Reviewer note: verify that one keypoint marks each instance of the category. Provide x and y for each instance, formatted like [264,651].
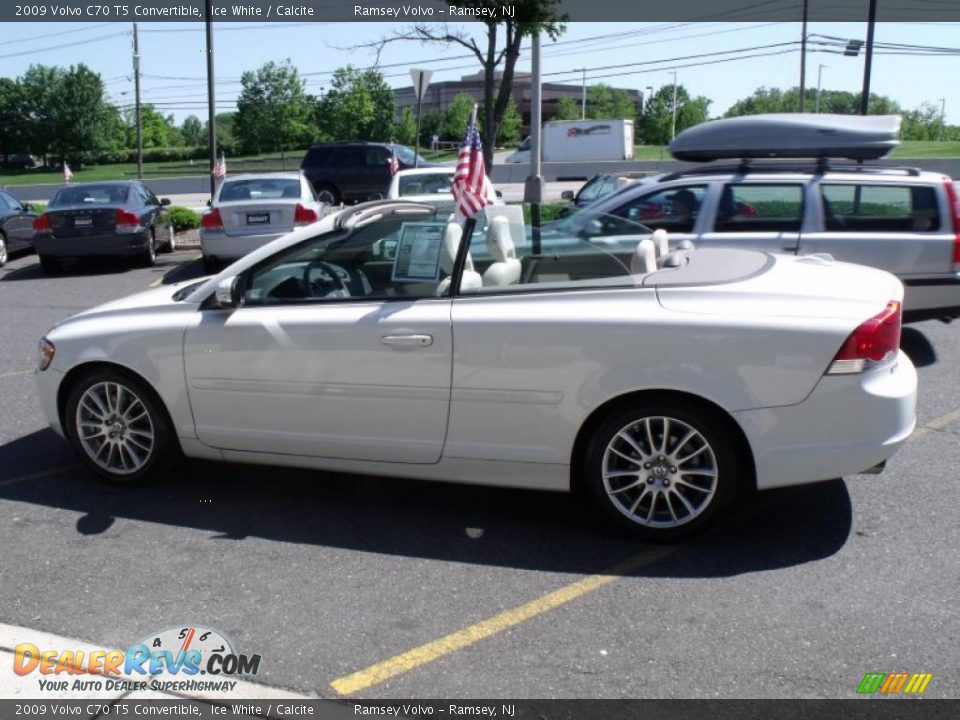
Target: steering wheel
[321,287]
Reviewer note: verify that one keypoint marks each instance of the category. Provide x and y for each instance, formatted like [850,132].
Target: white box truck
[574,140]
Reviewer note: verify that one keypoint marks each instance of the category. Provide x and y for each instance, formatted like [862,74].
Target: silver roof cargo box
[789,135]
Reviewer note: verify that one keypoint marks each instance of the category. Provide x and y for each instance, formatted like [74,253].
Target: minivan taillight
[304,215]
[871,343]
[955,216]
[212,220]
[127,222]
[42,224]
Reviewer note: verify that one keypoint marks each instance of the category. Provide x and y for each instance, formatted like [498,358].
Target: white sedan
[248,211]
[662,383]
[430,184]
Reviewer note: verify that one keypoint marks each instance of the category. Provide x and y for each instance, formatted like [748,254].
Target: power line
[65,45]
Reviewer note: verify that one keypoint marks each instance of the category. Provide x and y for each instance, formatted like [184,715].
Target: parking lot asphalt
[368,587]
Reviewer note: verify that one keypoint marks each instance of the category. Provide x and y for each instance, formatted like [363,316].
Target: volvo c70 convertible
[663,382]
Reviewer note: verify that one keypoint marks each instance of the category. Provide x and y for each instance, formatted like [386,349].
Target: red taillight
[304,215]
[870,343]
[955,215]
[212,220]
[42,223]
[127,221]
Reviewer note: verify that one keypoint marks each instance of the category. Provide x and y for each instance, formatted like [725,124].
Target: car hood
[158,298]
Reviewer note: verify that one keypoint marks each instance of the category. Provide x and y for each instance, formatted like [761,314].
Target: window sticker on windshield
[418,253]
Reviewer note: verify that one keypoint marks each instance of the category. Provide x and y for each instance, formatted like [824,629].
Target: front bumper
[48,385]
[847,425]
[92,245]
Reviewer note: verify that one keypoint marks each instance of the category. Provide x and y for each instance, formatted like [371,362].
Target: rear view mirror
[164,201]
[228,292]
[566,195]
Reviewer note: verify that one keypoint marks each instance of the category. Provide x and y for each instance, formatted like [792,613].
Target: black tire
[50,265]
[163,449]
[170,245]
[660,496]
[3,249]
[332,189]
[210,265]
[148,257]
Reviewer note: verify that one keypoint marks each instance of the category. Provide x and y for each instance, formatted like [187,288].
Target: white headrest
[644,258]
[499,241]
[660,244]
[451,244]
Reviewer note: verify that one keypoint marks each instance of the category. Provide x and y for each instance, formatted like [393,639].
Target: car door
[17,222]
[377,173]
[348,170]
[334,353]
[765,216]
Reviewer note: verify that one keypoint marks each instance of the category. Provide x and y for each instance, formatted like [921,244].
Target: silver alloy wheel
[3,251]
[114,428]
[660,472]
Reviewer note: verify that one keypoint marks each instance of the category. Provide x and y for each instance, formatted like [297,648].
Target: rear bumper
[931,298]
[847,425]
[221,245]
[88,245]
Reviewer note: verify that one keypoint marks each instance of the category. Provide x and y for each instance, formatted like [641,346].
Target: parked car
[249,211]
[352,171]
[580,368]
[19,161]
[101,219]
[16,226]
[899,219]
[599,186]
[430,184]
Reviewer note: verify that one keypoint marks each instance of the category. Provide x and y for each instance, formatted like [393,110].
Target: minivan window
[760,208]
[674,210]
[879,208]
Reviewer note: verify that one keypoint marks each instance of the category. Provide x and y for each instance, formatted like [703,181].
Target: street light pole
[211,100]
[583,94]
[673,124]
[868,64]
[943,115]
[137,111]
[819,81]
[803,57]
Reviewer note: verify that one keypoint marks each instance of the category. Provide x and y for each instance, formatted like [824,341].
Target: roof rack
[819,165]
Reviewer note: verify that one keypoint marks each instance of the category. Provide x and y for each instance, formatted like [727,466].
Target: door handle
[407,340]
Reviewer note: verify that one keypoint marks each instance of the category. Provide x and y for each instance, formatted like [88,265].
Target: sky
[174,70]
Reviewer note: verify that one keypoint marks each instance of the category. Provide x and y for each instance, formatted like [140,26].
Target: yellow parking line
[937,423]
[460,639]
[157,282]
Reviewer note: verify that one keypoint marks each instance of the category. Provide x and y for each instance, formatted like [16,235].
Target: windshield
[591,224]
[406,155]
[260,189]
[430,184]
[91,195]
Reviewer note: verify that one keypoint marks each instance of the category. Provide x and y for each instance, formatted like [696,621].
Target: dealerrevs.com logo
[186,659]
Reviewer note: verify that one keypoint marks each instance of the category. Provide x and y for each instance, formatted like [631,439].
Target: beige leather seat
[644,258]
[505,268]
[661,245]
[448,256]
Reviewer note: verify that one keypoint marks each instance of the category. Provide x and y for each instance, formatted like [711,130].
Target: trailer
[577,140]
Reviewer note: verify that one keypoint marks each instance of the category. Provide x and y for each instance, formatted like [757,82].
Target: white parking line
[15,373]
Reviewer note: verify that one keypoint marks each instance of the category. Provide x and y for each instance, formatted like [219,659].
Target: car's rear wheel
[3,249]
[149,256]
[117,426]
[328,194]
[662,470]
[50,265]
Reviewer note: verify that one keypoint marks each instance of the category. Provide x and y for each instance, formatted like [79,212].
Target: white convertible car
[662,383]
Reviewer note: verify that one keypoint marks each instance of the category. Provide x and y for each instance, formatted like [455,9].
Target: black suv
[352,171]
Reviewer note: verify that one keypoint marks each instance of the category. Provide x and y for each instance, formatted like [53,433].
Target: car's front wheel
[117,426]
[3,249]
[662,470]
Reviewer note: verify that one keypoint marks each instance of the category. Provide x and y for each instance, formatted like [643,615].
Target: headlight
[46,353]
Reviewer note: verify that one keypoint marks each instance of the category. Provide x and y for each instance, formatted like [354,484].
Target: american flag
[220,167]
[393,162]
[470,185]
[67,173]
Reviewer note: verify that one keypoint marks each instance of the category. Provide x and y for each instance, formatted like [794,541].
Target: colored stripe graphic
[893,683]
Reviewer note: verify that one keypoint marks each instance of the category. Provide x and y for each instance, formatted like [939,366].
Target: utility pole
[583,94]
[673,124]
[868,64]
[803,57]
[533,188]
[211,99]
[943,115]
[136,91]
[819,82]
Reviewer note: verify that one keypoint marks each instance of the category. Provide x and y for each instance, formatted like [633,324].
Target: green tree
[657,118]
[923,123]
[81,117]
[842,102]
[358,106]
[14,136]
[405,131]
[456,117]
[157,130]
[226,137]
[497,51]
[510,125]
[192,131]
[430,122]
[566,109]
[41,86]
[273,110]
[607,103]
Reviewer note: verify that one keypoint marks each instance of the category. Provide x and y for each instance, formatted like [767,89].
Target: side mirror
[209,203]
[164,201]
[566,195]
[228,292]
[27,207]
[498,194]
